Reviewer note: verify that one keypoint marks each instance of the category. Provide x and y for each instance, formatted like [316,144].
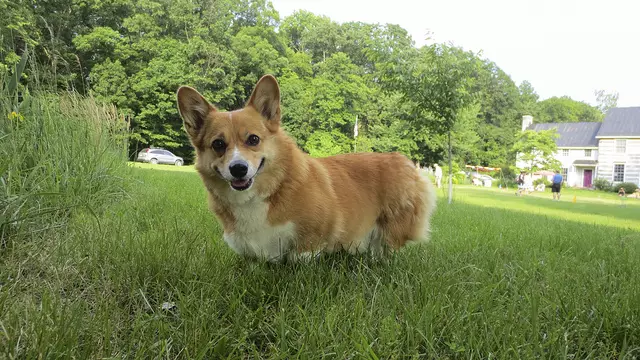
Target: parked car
[159,156]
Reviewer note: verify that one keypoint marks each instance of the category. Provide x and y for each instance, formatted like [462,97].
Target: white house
[587,150]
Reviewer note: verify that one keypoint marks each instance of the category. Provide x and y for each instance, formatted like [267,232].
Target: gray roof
[580,134]
[624,121]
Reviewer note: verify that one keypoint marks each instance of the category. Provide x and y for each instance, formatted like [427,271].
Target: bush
[59,153]
[602,184]
[542,180]
[457,176]
[629,188]
[508,183]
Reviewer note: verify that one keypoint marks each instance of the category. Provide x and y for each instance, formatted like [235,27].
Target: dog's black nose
[238,169]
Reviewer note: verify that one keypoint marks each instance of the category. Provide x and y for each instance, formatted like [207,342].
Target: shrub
[509,183]
[629,188]
[458,176]
[542,180]
[602,184]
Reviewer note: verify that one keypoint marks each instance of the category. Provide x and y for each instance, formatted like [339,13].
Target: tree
[537,149]
[565,109]
[436,83]
[317,36]
[606,101]
[528,98]
[135,54]
[500,102]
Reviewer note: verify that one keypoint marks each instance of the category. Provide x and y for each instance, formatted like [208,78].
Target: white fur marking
[235,155]
[253,236]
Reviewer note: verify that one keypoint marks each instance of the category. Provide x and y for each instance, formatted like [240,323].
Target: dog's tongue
[240,183]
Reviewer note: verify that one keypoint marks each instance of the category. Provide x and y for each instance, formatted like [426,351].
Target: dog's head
[234,146]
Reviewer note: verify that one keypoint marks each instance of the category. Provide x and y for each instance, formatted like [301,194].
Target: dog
[275,202]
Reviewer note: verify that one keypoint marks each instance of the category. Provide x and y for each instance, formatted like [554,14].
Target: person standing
[520,183]
[438,175]
[556,185]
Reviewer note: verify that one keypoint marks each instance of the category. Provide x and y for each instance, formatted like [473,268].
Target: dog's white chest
[253,236]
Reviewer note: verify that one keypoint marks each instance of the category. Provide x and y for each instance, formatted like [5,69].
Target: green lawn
[168,167]
[503,277]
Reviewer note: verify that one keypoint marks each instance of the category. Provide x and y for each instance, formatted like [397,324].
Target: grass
[167,167]
[569,193]
[59,153]
[604,210]
[503,277]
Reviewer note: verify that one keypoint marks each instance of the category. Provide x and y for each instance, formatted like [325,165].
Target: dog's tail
[411,204]
[430,201]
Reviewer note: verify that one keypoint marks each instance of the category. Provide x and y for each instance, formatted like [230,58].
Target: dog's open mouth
[241,185]
[244,184]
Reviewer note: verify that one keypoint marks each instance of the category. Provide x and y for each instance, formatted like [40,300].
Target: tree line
[135,54]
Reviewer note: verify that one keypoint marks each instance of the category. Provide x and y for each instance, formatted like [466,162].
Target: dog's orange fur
[357,202]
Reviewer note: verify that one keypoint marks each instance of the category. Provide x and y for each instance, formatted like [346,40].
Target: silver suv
[159,156]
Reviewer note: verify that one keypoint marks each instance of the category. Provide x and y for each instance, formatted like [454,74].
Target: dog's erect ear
[193,109]
[265,98]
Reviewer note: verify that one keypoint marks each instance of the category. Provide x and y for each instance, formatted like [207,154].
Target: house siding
[608,157]
[575,174]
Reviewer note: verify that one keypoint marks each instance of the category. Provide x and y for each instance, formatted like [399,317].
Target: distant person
[438,175]
[623,195]
[520,182]
[556,185]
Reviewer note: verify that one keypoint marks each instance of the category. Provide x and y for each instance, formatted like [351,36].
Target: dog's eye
[253,140]
[218,145]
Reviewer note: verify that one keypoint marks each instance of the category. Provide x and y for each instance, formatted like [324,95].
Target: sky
[562,47]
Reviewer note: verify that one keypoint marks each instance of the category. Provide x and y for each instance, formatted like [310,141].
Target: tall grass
[58,153]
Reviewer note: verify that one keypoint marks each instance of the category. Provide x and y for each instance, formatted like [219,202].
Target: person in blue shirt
[557,184]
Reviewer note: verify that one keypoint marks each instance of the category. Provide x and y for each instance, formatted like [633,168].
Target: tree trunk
[450,170]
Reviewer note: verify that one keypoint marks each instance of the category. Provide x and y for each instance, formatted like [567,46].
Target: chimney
[527,120]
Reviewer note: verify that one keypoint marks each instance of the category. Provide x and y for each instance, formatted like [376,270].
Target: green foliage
[458,176]
[629,188]
[528,98]
[60,154]
[508,183]
[323,143]
[602,184]
[135,54]
[564,109]
[14,78]
[542,180]
[435,81]
[537,149]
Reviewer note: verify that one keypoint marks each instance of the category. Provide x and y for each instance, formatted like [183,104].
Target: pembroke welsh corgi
[276,202]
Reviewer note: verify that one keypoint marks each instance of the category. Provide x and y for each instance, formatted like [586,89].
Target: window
[565,171]
[621,146]
[565,152]
[618,172]
[587,152]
